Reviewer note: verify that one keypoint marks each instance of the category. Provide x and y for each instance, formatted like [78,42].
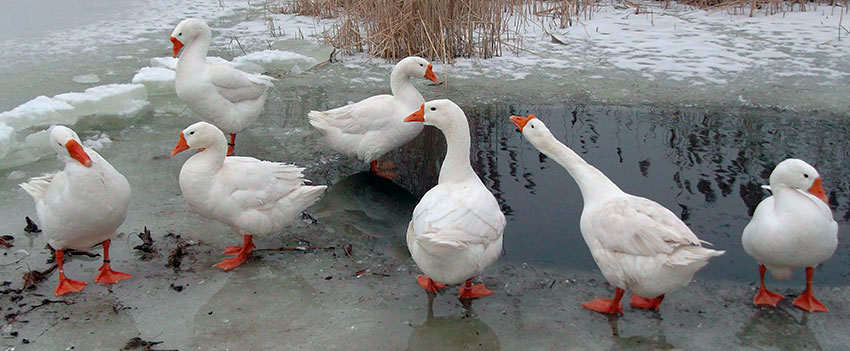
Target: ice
[41,110]
[157,80]
[6,135]
[274,61]
[98,142]
[15,175]
[111,99]
[86,78]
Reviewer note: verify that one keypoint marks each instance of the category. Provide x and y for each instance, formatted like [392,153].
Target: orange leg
[607,306]
[469,291]
[766,297]
[383,169]
[232,144]
[429,285]
[645,303]
[107,275]
[242,255]
[66,285]
[806,301]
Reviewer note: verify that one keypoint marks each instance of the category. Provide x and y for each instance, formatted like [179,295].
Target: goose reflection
[453,333]
[639,342]
[373,205]
[778,329]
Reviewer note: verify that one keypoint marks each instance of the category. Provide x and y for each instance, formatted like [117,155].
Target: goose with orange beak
[791,229]
[252,197]
[456,229]
[80,206]
[638,244]
[370,128]
[217,93]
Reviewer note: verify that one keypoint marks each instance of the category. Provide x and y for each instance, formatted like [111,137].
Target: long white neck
[456,167]
[594,185]
[209,161]
[402,88]
[194,53]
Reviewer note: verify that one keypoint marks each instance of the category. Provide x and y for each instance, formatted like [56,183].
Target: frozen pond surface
[706,164]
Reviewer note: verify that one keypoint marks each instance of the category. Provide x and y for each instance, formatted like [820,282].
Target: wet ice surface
[330,300]
[705,164]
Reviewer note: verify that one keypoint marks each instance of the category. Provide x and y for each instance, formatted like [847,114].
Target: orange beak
[76,151]
[418,116]
[521,121]
[817,190]
[181,145]
[177,45]
[429,74]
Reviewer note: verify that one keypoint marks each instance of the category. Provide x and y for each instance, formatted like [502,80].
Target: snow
[157,80]
[119,100]
[98,141]
[111,99]
[276,60]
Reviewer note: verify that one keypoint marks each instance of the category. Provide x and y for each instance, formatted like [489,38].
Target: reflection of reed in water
[453,333]
[777,329]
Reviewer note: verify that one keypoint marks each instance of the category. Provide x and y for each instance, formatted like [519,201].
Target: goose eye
[421,65]
[805,175]
[192,133]
[433,109]
[180,34]
[532,126]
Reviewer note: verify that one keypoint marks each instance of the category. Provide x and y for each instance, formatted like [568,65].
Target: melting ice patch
[121,100]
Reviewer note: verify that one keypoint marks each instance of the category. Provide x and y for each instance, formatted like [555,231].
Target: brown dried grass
[446,29]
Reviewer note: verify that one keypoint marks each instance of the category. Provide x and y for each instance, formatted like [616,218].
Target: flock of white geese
[455,231]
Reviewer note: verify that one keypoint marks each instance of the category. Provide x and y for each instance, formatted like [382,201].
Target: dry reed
[446,29]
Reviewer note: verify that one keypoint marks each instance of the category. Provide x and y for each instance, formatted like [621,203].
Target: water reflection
[453,333]
[778,329]
[706,167]
[371,205]
[639,342]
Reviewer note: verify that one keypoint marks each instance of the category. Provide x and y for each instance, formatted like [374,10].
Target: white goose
[81,206]
[251,196]
[370,128]
[456,229]
[792,229]
[218,93]
[638,244]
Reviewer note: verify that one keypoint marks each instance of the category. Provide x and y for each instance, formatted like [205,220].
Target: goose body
[637,244]
[251,196]
[370,128]
[219,94]
[456,229]
[80,206]
[791,229]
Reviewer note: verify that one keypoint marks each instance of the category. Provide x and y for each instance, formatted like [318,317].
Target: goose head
[67,144]
[443,114]
[187,31]
[201,135]
[797,174]
[417,67]
[532,129]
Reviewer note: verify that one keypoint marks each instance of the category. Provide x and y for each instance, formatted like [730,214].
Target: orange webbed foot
[807,302]
[68,286]
[606,306]
[108,276]
[232,249]
[429,285]
[231,263]
[645,303]
[767,298]
[384,169]
[473,291]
